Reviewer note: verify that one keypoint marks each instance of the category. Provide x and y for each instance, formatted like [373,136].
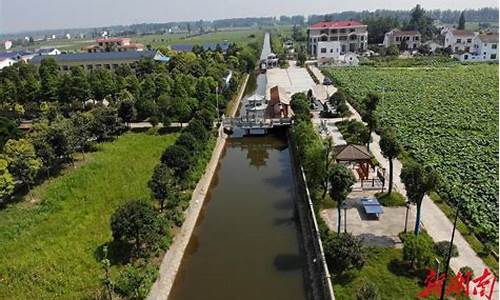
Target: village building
[459,40]
[351,36]
[48,51]
[22,55]
[6,62]
[411,39]
[279,104]
[113,45]
[106,60]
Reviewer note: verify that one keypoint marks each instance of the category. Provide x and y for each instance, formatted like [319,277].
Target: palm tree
[341,181]
[418,181]
[391,148]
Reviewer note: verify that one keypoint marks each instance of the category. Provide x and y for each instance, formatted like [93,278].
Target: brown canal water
[246,244]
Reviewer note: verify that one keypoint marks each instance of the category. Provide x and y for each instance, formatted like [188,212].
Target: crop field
[51,250]
[446,117]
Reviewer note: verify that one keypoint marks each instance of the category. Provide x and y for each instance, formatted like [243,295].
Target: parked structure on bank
[106,60]
[411,39]
[350,35]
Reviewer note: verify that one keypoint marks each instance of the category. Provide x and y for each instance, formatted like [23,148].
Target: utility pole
[447,266]
[407,204]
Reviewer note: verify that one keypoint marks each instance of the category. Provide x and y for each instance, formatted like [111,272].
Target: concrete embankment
[173,257]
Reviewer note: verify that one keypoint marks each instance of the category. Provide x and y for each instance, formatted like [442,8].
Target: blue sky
[52,14]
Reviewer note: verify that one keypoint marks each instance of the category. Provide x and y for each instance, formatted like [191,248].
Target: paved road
[434,220]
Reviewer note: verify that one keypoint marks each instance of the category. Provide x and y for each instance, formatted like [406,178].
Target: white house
[486,46]
[412,38]
[7,44]
[459,40]
[329,50]
[48,51]
[351,34]
[6,62]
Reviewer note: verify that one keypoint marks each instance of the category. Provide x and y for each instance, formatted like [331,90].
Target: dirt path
[173,257]
[433,219]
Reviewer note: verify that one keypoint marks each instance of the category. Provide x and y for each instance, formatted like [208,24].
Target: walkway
[433,219]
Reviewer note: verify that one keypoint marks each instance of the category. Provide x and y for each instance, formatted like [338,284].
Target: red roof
[115,40]
[337,24]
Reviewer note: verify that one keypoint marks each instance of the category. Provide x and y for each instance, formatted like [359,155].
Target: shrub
[367,291]
[443,247]
[392,199]
[417,251]
[344,252]
[135,282]
[465,270]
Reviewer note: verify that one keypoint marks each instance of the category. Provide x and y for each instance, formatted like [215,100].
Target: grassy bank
[51,249]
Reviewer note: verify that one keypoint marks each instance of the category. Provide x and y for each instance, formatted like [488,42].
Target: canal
[246,244]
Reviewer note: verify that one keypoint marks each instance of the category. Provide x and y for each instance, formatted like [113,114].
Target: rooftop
[352,153]
[104,56]
[398,32]
[207,46]
[489,38]
[337,24]
[14,54]
[458,32]
[113,40]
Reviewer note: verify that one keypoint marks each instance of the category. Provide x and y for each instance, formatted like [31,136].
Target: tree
[126,110]
[371,124]
[198,130]
[300,106]
[163,185]
[419,20]
[105,124]
[392,50]
[81,130]
[178,159]
[418,252]
[23,162]
[49,79]
[344,252]
[341,181]
[461,21]
[8,130]
[137,223]
[378,26]
[102,83]
[391,148]
[6,180]
[418,181]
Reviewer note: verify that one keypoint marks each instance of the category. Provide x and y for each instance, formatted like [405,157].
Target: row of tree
[170,91]
[143,228]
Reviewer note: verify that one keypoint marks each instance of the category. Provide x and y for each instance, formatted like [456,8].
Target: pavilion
[357,154]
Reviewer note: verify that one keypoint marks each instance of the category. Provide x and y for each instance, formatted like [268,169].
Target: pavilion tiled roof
[352,153]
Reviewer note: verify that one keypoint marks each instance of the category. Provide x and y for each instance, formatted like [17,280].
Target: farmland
[50,249]
[446,117]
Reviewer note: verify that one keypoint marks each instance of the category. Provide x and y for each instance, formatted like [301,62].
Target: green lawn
[49,249]
[383,267]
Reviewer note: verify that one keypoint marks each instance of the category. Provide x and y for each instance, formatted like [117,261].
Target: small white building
[328,50]
[459,40]
[412,38]
[7,44]
[48,51]
[486,46]
[6,62]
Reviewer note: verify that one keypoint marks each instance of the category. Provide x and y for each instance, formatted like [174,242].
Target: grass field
[241,36]
[385,270]
[446,117]
[49,250]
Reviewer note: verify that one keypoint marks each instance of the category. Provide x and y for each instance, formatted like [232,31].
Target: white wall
[328,50]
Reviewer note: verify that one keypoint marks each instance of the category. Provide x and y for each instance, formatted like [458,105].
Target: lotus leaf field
[446,117]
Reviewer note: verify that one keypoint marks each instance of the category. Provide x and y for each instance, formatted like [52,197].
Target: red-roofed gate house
[352,36]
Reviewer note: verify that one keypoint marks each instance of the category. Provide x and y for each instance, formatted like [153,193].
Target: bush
[135,282]
[393,199]
[443,247]
[417,251]
[465,270]
[367,291]
[344,252]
